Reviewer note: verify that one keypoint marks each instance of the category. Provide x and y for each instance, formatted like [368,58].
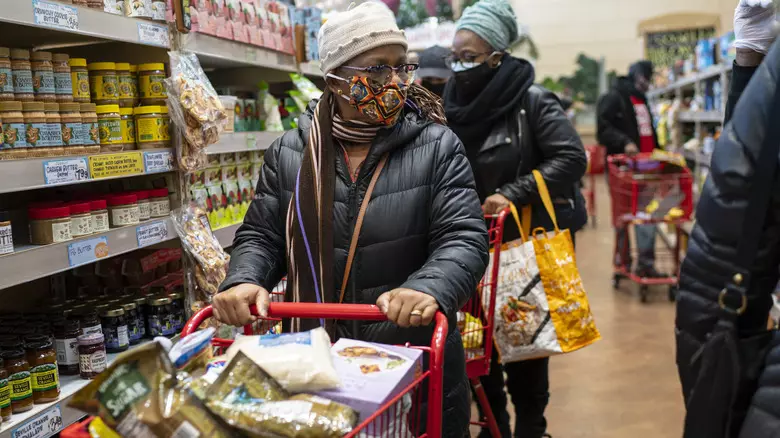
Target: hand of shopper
[232,306]
[495,203]
[408,308]
[754,25]
[631,149]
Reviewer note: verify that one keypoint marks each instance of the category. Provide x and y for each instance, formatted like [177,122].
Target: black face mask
[437,89]
[469,83]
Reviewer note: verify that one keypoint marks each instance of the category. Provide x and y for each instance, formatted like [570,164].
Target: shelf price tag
[114,165]
[153,34]
[42,426]
[56,15]
[251,55]
[65,171]
[155,162]
[149,234]
[251,142]
[87,251]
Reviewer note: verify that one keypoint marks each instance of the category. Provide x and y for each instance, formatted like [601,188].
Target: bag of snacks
[139,396]
[247,398]
[195,109]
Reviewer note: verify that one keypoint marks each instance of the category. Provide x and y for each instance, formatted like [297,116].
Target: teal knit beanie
[493,20]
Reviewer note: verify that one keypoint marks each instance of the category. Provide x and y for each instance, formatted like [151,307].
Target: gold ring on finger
[416,312]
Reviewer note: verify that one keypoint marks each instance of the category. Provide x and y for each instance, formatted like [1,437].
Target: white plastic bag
[300,362]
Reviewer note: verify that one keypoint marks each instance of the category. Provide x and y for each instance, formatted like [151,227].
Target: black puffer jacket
[616,121]
[423,230]
[720,215]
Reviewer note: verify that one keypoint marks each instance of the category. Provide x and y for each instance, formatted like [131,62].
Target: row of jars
[55,77]
[46,129]
[55,222]
[74,339]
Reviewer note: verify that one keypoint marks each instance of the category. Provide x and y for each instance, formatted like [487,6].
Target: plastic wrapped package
[195,109]
[298,361]
[268,108]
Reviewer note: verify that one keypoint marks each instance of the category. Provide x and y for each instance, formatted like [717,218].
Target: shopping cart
[478,338]
[654,195]
[595,154]
[391,416]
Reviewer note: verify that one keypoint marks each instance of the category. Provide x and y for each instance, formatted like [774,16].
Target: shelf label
[251,142]
[55,15]
[149,234]
[251,55]
[113,165]
[155,162]
[87,251]
[65,171]
[42,426]
[153,34]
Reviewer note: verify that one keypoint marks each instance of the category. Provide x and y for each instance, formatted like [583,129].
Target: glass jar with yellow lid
[150,127]
[125,81]
[109,127]
[103,83]
[80,79]
[151,87]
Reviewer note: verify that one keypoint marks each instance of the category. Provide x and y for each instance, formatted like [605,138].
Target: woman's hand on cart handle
[495,203]
[232,306]
[408,308]
[631,149]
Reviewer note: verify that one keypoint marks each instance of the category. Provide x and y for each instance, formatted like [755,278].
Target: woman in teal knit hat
[509,128]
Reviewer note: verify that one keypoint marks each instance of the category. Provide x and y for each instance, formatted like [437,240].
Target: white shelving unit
[243,141]
[225,235]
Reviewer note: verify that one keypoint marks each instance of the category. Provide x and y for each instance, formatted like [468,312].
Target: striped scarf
[309,222]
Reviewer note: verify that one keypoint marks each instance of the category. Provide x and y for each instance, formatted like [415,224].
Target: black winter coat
[536,136]
[616,118]
[423,230]
[708,265]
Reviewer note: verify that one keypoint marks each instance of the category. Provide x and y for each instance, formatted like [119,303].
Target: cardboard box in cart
[371,374]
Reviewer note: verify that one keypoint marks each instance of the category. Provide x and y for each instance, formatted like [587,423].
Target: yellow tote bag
[541,305]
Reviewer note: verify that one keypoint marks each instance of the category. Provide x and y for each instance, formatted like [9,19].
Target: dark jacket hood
[625,86]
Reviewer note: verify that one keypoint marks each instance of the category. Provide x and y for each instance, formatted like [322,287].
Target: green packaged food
[247,398]
[138,396]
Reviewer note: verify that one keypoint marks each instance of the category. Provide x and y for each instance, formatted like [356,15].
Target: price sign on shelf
[149,234]
[87,251]
[251,54]
[251,141]
[56,15]
[42,426]
[65,171]
[156,162]
[153,34]
[114,165]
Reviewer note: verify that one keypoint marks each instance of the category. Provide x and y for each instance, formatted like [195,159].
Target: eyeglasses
[383,74]
[468,57]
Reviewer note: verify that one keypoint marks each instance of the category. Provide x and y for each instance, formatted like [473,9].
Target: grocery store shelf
[697,157]
[243,141]
[69,385]
[216,52]
[31,262]
[68,24]
[35,173]
[311,68]
[700,116]
[712,72]
[225,235]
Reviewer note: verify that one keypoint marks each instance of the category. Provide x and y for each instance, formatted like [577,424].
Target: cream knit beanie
[359,29]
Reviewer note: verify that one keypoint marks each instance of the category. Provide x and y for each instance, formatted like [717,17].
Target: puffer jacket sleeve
[608,134]
[563,159]
[720,217]
[458,244]
[258,255]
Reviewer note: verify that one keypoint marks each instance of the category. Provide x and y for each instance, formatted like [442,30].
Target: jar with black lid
[177,307]
[132,317]
[66,333]
[11,342]
[114,325]
[88,321]
[160,316]
[140,304]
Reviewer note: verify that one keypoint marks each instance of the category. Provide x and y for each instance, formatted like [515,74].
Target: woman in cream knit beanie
[374,148]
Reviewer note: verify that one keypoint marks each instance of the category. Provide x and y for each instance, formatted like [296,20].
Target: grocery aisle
[626,384]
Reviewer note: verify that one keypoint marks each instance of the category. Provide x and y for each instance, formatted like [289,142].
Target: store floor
[626,384]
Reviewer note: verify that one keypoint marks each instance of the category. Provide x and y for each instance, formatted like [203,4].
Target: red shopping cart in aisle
[477,329]
[650,198]
[414,423]
[595,154]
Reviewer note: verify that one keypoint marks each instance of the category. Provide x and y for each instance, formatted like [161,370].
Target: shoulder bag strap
[359,224]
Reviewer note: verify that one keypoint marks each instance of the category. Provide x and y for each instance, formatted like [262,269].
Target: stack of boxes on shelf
[226,187]
[256,22]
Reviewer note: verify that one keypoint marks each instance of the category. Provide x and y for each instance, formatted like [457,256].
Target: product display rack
[83,32]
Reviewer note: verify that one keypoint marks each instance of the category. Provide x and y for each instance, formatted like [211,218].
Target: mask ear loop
[339,92]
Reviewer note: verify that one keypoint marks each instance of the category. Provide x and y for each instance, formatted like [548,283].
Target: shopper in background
[721,323]
[625,126]
[509,128]
[423,242]
[434,72]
